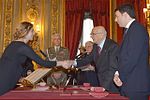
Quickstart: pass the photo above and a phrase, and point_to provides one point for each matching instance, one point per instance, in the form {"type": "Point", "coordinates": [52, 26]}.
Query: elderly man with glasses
{"type": "Point", "coordinates": [104, 55]}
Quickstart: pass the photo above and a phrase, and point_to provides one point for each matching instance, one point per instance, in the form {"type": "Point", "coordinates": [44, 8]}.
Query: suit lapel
{"type": "Point", "coordinates": [103, 51]}
{"type": "Point", "coordinates": [126, 35]}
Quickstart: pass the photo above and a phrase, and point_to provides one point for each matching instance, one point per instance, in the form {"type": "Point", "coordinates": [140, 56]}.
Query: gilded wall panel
{"type": "Point", "coordinates": [31, 13]}
{"type": "Point", "coordinates": [62, 20]}
{"type": "Point", "coordinates": [46, 23]}
{"type": "Point", "coordinates": [113, 27]}
{"type": "Point", "coordinates": [46, 15]}
{"type": "Point", "coordinates": [8, 22]}
{"type": "Point", "coordinates": [57, 17]}
{"type": "Point", "coordinates": [1, 26]}
{"type": "Point", "coordinates": [54, 12]}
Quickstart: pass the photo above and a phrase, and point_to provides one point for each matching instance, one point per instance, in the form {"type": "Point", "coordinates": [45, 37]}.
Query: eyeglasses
{"type": "Point", "coordinates": [93, 34]}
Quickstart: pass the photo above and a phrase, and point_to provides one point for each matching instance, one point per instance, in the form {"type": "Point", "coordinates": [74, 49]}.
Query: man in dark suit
{"type": "Point", "coordinates": [104, 55]}
{"type": "Point", "coordinates": [133, 75]}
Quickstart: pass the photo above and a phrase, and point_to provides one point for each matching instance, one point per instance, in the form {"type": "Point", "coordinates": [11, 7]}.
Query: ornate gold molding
{"type": "Point", "coordinates": [49, 14]}
{"type": "Point", "coordinates": [62, 21]}
{"type": "Point", "coordinates": [54, 12]}
{"type": "Point", "coordinates": [113, 29]}
{"type": "Point", "coordinates": [32, 15]}
{"type": "Point", "coordinates": [57, 12]}
{"type": "Point", "coordinates": [32, 10]}
{"type": "Point", "coordinates": [1, 35]}
{"type": "Point", "coordinates": [8, 22]}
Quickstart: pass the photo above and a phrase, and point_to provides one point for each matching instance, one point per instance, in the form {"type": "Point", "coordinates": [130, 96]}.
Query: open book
{"type": "Point", "coordinates": [35, 76]}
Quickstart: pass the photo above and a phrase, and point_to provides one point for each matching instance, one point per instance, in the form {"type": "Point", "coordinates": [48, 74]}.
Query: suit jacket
{"type": "Point", "coordinates": [106, 63]}
{"type": "Point", "coordinates": [133, 59]}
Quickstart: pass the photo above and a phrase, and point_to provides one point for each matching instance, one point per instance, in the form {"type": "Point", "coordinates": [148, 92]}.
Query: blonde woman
{"type": "Point", "coordinates": [16, 54]}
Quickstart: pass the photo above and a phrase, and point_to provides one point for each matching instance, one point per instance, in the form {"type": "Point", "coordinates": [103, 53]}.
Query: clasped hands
{"type": "Point", "coordinates": [65, 64]}
{"type": "Point", "coordinates": [117, 80]}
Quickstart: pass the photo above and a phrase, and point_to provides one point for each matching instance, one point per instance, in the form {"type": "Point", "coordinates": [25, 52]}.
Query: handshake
{"type": "Point", "coordinates": [66, 63]}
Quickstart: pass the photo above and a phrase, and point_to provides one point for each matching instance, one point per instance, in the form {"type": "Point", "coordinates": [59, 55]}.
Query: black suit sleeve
{"type": "Point", "coordinates": [28, 51]}
{"type": "Point", "coordinates": [113, 66]}
{"type": "Point", "coordinates": [85, 60]}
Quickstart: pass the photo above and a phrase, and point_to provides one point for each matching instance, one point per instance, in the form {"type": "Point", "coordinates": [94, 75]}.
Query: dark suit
{"type": "Point", "coordinates": [133, 60]}
{"type": "Point", "coordinates": [106, 63]}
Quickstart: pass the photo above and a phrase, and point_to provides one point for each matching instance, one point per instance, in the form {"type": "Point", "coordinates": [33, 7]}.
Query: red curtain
{"type": "Point", "coordinates": [74, 20]}
{"type": "Point", "coordinates": [100, 13]}
{"type": "Point", "coordinates": [138, 5]}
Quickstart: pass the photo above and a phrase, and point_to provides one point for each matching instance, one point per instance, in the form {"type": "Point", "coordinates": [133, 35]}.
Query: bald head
{"type": "Point", "coordinates": [99, 30]}
{"type": "Point", "coordinates": [98, 34]}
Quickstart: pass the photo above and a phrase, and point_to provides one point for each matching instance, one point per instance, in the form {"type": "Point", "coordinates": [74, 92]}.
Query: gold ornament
{"type": "Point", "coordinates": [32, 14]}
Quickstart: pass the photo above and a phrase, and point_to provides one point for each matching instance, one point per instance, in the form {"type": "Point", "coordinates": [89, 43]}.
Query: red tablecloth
{"type": "Point", "coordinates": [57, 95]}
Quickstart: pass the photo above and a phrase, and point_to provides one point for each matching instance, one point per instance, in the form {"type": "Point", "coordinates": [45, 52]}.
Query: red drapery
{"type": "Point", "coordinates": [138, 5]}
{"type": "Point", "coordinates": [100, 13]}
{"type": "Point", "coordinates": [74, 20]}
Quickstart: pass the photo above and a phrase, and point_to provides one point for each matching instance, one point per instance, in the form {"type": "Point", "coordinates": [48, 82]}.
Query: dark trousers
{"type": "Point", "coordinates": [87, 77]}
{"type": "Point", "coordinates": [136, 95]}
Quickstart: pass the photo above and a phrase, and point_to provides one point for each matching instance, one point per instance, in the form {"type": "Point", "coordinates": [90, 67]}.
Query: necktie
{"type": "Point", "coordinates": [98, 49]}
{"type": "Point", "coordinates": [125, 31]}
{"type": "Point", "coordinates": [57, 49]}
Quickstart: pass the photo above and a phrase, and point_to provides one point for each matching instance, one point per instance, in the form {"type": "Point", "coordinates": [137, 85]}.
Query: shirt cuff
{"type": "Point", "coordinates": [75, 63]}
{"type": "Point", "coordinates": [117, 73]}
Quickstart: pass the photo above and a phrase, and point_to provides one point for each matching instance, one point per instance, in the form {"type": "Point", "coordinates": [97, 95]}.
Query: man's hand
{"type": "Point", "coordinates": [117, 80]}
{"type": "Point", "coordinates": [91, 67]}
{"type": "Point", "coordinates": [66, 64]}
